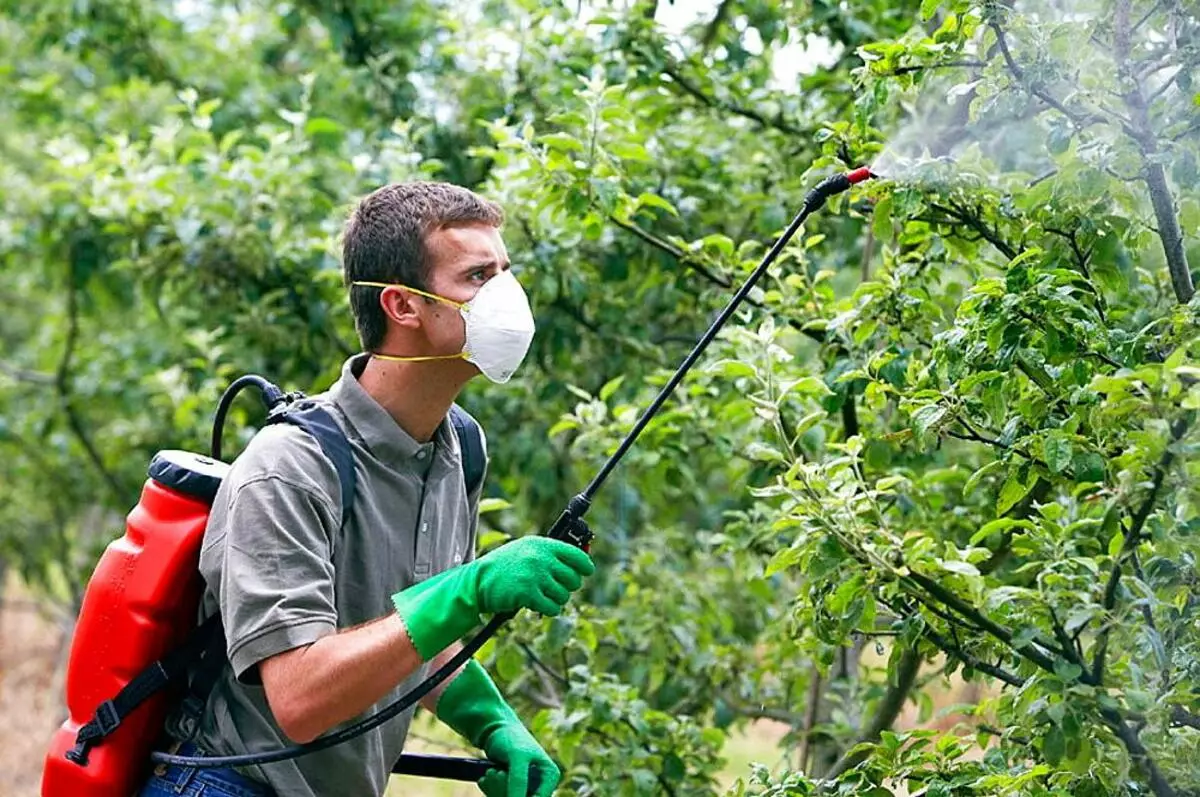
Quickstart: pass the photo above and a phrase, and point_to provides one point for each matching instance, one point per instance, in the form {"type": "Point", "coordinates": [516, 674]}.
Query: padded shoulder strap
{"type": "Point", "coordinates": [314, 419]}
{"type": "Point", "coordinates": [470, 440]}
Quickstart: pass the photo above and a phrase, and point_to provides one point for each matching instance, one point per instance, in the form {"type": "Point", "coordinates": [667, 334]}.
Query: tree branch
{"type": "Point", "coordinates": [1082, 259]}
{"type": "Point", "coordinates": [716, 279]}
{"type": "Point", "coordinates": [25, 375]}
{"type": "Point", "coordinates": [976, 223]}
{"type": "Point", "coordinates": [904, 70]}
{"type": "Point", "coordinates": [721, 105]}
{"type": "Point", "coordinates": [964, 609]}
{"type": "Point", "coordinates": [1080, 121]}
{"type": "Point", "coordinates": [714, 26]}
{"type": "Point", "coordinates": [62, 384]}
{"type": "Point", "coordinates": [1132, 539]}
{"type": "Point", "coordinates": [675, 252]}
{"type": "Point", "coordinates": [885, 715]}
{"type": "Point", "coordinates": [1169, 232]}
{"type": "Point", "coordinates": [1139, 754]}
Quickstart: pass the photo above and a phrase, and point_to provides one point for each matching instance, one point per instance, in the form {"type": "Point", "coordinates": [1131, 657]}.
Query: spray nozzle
{"type": "Point", "coordinates": [860, 174]}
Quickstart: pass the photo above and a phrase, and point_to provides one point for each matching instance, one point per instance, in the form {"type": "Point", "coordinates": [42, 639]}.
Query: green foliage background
{"type": "Point", "coordinates": [953, 435]}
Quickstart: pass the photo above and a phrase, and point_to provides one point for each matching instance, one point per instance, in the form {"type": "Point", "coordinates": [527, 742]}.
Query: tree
{"type": "Point", "coordinates": [951, 437]}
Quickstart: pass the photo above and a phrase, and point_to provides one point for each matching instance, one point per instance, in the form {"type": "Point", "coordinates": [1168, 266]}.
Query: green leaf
{"type": "Point", "coordinates": [927, 417]}
{"type": "Point", "coordinates": [564, 425]}
{"type": "Point", "coordinates": [629, 151]}
{"type": "Point", "coordinates": [510, 663]}
{"type": "Point", "coordinates": [1054, 745]}
{"type": "Point", "coordinates": [610, 387]}
{"type": "Point", "coordinates": [1069, 671]}
{"type": "Point", "coordinates": [1058, 452]}
{"type": "Point", "coordinates": [673, 767]}
{"type": "Point", "coordinates": [563, 142]}
{"type": "Point", "coordinates": [997, 526]}
{"type": "Point", "coordinates": [761, 452]}
{"type": "Point", "coordinates": [722, 243]}
{"type": "Point", "coordinates": [648, 200]}
{"type": "Point", "coordinates": [928, 8]}
{"type": "Point", "coordinates": [807, 386]}
{"type": "Point", "coordinates": [732, 369]}
{"type": "Point", "coordinates": [1013, 491]}
{"type": "Point", "coordinates": [962, 568]}
{"type": "Point", "coordinates": [782, 560]}
{"type": "Point", "coordinates": [1088, 467]}
{"type": "Point", "coordinates": [322, 126]}
{"type": "Point", "coordinates": [493, 505]}
{"type": "Point", "coordinates": [978, 476]}
{"type": "Point", "coordinates": [579, 392]}
{"type": "Point", "coordinates": [881, 219]}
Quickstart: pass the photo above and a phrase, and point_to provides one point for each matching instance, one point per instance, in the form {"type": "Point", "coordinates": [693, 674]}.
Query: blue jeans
{"type": "Point", "coordinates": [170, 780]}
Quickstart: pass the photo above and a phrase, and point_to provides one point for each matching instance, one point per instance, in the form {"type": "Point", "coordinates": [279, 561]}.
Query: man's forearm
{"type": "Point", "coordinates": [338, 677]}
{"type": "Point", "coordinates": [429, 702]}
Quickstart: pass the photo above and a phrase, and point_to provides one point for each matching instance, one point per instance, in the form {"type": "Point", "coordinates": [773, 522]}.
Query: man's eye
{"type": "Point", "coordinates": [479, 274]}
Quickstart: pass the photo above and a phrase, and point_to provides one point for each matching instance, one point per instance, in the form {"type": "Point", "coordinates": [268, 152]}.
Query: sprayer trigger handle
{"type": "Point", "coordinates": [571, 529]}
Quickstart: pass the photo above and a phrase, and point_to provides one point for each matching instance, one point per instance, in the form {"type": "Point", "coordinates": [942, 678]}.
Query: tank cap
{"type": "Point", "coordinates": [191, 474]}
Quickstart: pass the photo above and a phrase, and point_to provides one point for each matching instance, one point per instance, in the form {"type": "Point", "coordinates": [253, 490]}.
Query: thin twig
{"type": "Point", "coordinates": [62, 383]}
{"type": "Point", "coordinates": [712, 102]}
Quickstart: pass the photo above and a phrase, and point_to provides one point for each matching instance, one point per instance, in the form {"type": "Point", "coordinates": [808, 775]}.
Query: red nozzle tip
{"type": "Point", "coordinates": [859, 174]}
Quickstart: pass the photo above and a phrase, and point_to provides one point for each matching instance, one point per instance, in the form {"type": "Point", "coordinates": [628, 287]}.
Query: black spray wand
{"type": "Point", "coordinates": [567, 528]}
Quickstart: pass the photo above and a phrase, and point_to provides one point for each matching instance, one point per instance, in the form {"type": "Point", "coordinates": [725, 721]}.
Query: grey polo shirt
{"type": "Point", "coordinates": [283, 572]}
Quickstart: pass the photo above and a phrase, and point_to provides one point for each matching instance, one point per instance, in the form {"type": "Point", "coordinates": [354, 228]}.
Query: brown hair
{"type": "Point", "coordinates": [384, 241]}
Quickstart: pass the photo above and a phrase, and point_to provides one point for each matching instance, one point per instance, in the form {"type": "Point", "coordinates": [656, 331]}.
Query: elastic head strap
{"type": "Point", "coordinates": [418, 291]}
{"type": "Point", "coordinates": [462, 355]}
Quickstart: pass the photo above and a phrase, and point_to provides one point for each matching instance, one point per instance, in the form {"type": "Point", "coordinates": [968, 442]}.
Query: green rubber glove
{"type": "Point", "coordinates": [530, 573]}
{"type": "Point", "coordinates": [474, 708]}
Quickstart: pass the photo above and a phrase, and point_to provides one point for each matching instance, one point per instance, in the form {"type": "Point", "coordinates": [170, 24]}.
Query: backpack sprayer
{"type": "Point", "coordinates": [569, 527]}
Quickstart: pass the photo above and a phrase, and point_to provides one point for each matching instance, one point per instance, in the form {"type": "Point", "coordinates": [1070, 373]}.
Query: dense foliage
{"type": "Point", "coordinates": [953, 436]}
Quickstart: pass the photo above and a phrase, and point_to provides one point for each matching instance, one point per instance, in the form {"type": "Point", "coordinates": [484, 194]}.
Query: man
{"type": "Point", "coordinates": [326, 621]}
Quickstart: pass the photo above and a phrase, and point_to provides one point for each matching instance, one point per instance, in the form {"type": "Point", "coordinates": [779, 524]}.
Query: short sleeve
{"type": "Point", "coordinates": [271, 569]}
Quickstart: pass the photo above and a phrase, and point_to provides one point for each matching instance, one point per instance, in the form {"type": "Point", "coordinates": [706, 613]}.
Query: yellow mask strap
{"type": "Point", "coordinates": [434, 296]}
{"type": "Point", "coordinates": [460, 356]}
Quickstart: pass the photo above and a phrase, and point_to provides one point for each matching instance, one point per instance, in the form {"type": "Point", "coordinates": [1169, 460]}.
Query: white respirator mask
{"type": "Point", "coordinates": [499, 326]}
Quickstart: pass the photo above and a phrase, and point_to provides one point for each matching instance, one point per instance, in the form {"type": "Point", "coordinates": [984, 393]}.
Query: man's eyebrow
{"type": "Point", "coordinates": [485, 262]}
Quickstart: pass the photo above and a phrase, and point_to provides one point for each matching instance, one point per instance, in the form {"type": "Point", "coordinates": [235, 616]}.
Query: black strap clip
{"type": "Point", "coordinates": [104, 721]}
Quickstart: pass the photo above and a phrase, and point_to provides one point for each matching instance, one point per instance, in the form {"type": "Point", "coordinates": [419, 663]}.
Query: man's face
{"type": "Point", "coordinates": [461, 260]}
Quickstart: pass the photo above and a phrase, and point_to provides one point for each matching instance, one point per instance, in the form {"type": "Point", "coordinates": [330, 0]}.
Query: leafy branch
{"type": "Point", "coordinates": [690, 88]}
{"type": "Point", "coordinates": [687, 260]}
{"type": "Point", "coordinates": [886, 713]}
{"type": "Point", "coordinates": [1129, 545]}
{"type": "Point", "coordinates": [62, 385]}
{"type": "Point", "coordinates": [1155, 175]}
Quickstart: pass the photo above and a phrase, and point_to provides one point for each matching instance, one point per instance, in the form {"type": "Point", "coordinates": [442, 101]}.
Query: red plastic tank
{"type": "Point", "coordinates": [140, 602]}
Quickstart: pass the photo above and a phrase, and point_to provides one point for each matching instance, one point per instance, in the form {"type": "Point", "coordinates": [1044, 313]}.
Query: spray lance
{"type": "Point", "coordinates": [569, 527]}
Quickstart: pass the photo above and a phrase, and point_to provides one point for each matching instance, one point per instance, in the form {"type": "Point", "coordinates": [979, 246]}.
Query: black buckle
{"type": "Point", "coordinates": [107, 719]}
{"type": "Point", "coordinates": [295, 400]}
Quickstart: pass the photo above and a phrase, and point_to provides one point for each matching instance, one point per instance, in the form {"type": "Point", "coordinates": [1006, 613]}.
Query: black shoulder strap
{"type": "Point", "coordinates": [171, 668]}
{"type": "Point", "coordinates": [470, 441]}
{"type": "Point", "coordinates": [316, 420]}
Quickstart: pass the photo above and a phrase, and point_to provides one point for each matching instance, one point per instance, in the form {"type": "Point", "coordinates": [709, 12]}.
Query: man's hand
{"type": "Point", "coordinates": [531, 573]}
{"type": "Point", "coordinates": [474, 707]}
{"type": "Point", "coordinates": [514, 748]}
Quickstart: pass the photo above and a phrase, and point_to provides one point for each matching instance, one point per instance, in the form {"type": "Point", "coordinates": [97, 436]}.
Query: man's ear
{"type": "Point", "coordinates": [400, 306]}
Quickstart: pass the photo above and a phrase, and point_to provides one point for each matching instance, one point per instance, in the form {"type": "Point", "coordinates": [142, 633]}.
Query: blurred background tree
{"type": "Point", "coordinates": [951, 440]}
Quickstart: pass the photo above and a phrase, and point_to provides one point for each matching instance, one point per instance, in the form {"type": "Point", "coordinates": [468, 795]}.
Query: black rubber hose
{"type": "Point", "coordinates": [271, 395]}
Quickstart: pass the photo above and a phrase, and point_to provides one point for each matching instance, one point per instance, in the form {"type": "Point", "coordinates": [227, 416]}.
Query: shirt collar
{"type": "Point", "coordinates": [385, 438]}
